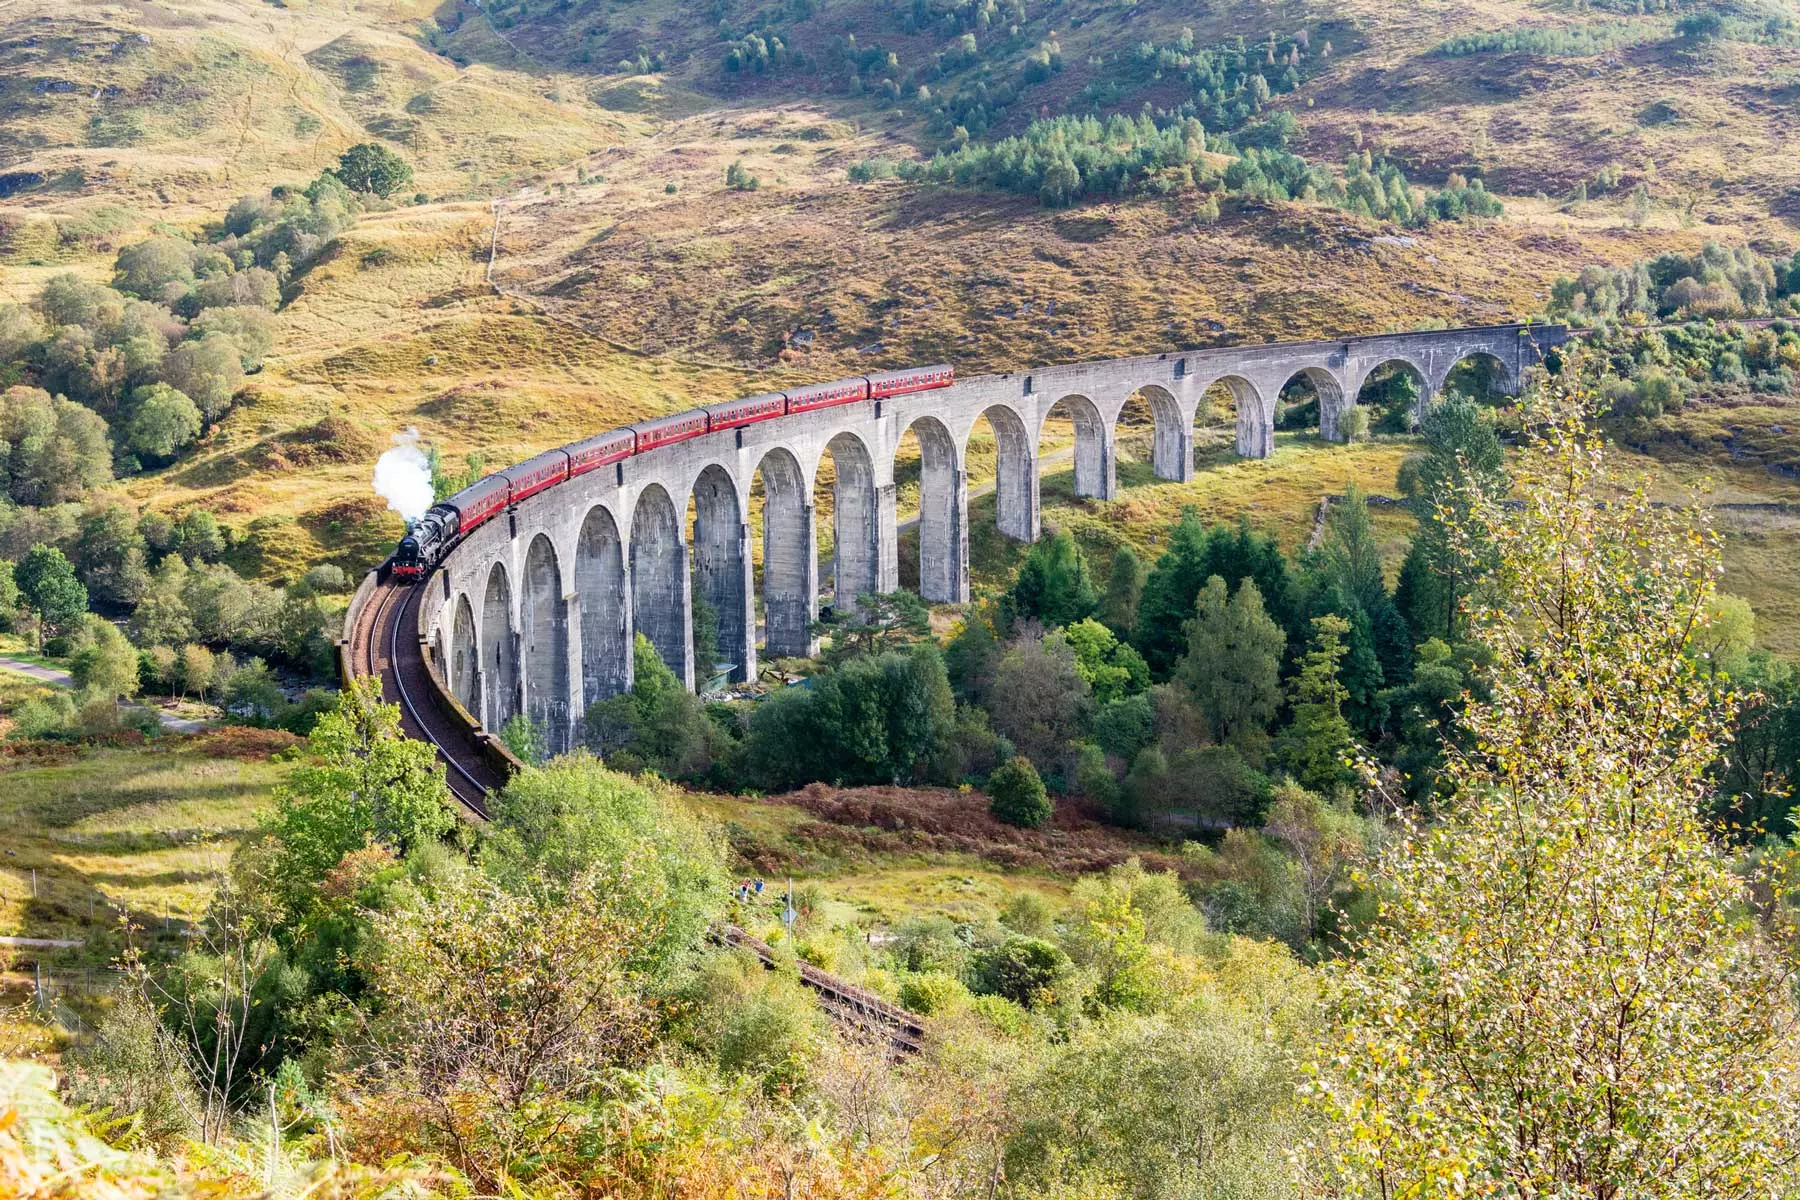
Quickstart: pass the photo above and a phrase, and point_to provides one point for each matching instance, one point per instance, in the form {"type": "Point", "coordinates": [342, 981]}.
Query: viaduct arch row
{"type": "Point", "coordinates": [536, 611]}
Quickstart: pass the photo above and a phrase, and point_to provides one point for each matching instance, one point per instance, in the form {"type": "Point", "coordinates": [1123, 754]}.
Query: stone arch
{"type": "Point", "coordinates": [500, 652]}
{"type": "Point", "coordinates": [605, 608]}
{"type": "Point", "coordinates": [659, 581]}
{"type": "Point", "coordinates": [943, 525]}
{"type": "Point", "coordinates": [544, 631]}
{"type": "Point", "coordinates": [1480, 373]}
{"type": "Point", "coordinates": [1330, 394]}
{"type": "Point", "coordinates": [722, 570]}
{"type": "Point", "coordinates": [464, 666]}
{"type": "Point", "coordinates": [855, 520]}
{"type": "Point", "coordinates": [1255, 416]}
{"type": "Point", "coordinates": [1093, 445]}
{"type": "Point", "coordinates": [1367, 388]}
{"type": "Point", "coordinates": [1015, 473]}
{"type": "Point", "coordinates": [790, 569]}
{"type": "Point", "coordinates": [1171, 455]}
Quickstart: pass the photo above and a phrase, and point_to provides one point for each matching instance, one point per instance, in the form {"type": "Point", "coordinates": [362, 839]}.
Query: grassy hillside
{"type": "Point", "coordinates": [627, 279]}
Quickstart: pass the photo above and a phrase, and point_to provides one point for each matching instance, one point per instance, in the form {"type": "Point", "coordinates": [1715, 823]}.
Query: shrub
{"type": "Point", "coordinates": [932, 993]}
{"type": "Point", "coordinates": [1025, 970]}
{"type": "Point", "coordinates": [1016, 795]}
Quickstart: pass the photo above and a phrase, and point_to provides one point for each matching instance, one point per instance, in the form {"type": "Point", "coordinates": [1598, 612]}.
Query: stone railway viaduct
{"type": "Point", "coordinates": [536, 610]}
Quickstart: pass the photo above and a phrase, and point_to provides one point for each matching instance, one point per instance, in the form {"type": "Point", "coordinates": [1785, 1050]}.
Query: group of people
{"type": "Point", "coordinates": [746, 888]}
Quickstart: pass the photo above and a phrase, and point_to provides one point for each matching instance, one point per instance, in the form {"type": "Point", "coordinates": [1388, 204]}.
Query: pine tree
{"type": "Point", "coordinates": [1317, 744]}
{"type": "Point", "coordinates": [1233, 665]}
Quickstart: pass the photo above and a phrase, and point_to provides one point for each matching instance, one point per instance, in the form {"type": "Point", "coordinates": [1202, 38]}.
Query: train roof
{"type": "Point", "coordinates": [734, 406]}
{"type": "Point", "coordinates": [531, 466]}
{"type": "Point", "coordinates": [478, 491]}
{"type": "Point", "coordinates": [655, 423]}
{"type": "Point", "coordinates": [596, 441]}
{"type": "Point", "coordinates": [903, 372]}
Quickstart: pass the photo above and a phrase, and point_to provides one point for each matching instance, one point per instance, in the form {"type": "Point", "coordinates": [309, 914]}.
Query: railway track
{"type": "Point", "coordinates": [382, 641]}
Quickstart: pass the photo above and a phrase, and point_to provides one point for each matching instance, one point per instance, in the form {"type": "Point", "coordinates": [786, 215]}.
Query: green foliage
{"type": "Point", "coordinates": [1053, 585]}
{"type": "Point", "coordinates": [933, 993]}
{"type": "Point", "coordinates": [876, 623]}
{"type": "Point", "coordinates": [361, 780]}
{"type": "Point", "coordinates": [51, 450]}
{"type": "Point", "coordinates": [1195, 554]}
{"type": "Point", "coordinates": [1029, 971]}
{"type": "Point", "coordinates": [1232, 667]}
{"type": "Point", "coordinates": [162, 422]}
{"type": "Point", "coordinates": [1462, 464]}
{"type": "Point", "coordinates": [50, 592]}
{"type": "Point", "coordinates": [106, 668]}
{"type": "Point", "coordinates": [1715, 282]}
{"type": "Point", "coordinates": [526, 738]}
{"type": "Point", "coordinates": [1111, 669]}
{"type": "Point", "coordinates": [658, 725]}
{"type": "Point", "coordinates": [881, 719]}
{"type": "Point", "coordinates": [1573, 41]}
{"type": "Point", "coordinates": [1016, 795]}
{"type": "Point", "coordinates": [551, 823]}
{"type": "Point", "coordinates": [1039, 699]}
{"type": "Point", "coordinates": [1317, 744]}
{"type": "Point", "coordinates": [755, 1024]}
{"type": "Point", "coordinates": [1124, 588]}
{"type": "Point", "coordinates": [371, 167]}
{"type": "Point", "coordinates": [1529, 1066]}
{"type": "Point", "coordinates": [738, 179]}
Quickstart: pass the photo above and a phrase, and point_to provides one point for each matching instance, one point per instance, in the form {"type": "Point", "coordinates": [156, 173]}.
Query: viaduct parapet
{"type": "Point", "coordinates": [535, 611]}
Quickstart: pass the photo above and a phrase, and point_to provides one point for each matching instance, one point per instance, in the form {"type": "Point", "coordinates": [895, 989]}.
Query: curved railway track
{"type": "Point", "coordinates": [382, 641]}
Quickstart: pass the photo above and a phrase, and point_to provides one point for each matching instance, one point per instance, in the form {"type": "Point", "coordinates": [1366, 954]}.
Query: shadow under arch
{"type": "Point", "coordinates": [1328, 397]}
{"type": "Point", "coordinates": [1093, 474]}
{"type": "Point", "coordinates": [463, 669]}
{"type": "Point", "coordinates": [500, 700]}
{"type": "Point", "coordinates": [849, 497]}
{"type": "Point", "coordinates": [788, 564]}
{"type": "Point", "coordinates": [943, 547]}
{"type": "Point", "coordinates": [721, 571]}
{"type": "Point", "coordinates": [659, 580]}
{"type": "Point", "coordinates": [544, 649]}
{"type": "Point", "coordinates": [606, 610]}
{"type": "Point", "coordinates": [1015, 471]}
{"type": "Point", "coordinates": [1396, 391]}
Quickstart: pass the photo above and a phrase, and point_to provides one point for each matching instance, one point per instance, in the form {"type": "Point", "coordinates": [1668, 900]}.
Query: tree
{"type": "Point", "coordinates": [1567, 994]}
{"type": "Point", "coordinates": [1039, 699]}
{"type": "Point", "coordinates": [54, 450]}
{"type": "Point", "coordinates": [1316, 745]}
{"type": "Point", "coordinates": [208, 370]}
{"type": "Point", "coordinates": [1053, 585]}
{"type": "Point", "coordinates": [199, 670]}
{"type": "Point", "coordinates": [50, 590]}
{"type": "Point", "coordinates": [1232, 667]}
{"type": "Point", "coordinates": [738, 179]}
{"type": "Point", "coordinates": [877, 622]}
{"type": "Point", "coordinates": [1111, 669]}
{"type": "Point", "coordinates": [658, 725]}
{"type": "Point", "coordinates": [1124, 585]}
{"type": "Point", "coordinates": [371, 167]}
{"type": "Point", "coordinates": [162, 422]}
{"type": "Point", "coordinates": [1462, 466]}
{"type": "Point", "coordinates": [1323, 839]}
{"type": "Point", "coordinates": [1025, 970]}
{"type": "Point", "coordinates": [162, 617]}
{"type": "Point", "coordinates": [1016, 794]}
{"type": "Point", "coordinates": [552, 823]}
{"type": "Point", "coordinates": [158, 268]}
{"type": "Point", "coordinates": [496, 999]}
{"type": "Point", "coordinates": [9, 597]}
{"type": "Point", "coordinates": [1167, 601]}
{"type": "Point", "coordinates": [362, 780]}
{"type": "Point", "coordinates": [107, 667]}
{"type": "Point", "coordinates": [108, 556]}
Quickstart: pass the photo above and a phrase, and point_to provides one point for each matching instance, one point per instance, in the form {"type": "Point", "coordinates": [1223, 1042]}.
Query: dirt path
{"type": "Point", "coordinates": [62, 679]}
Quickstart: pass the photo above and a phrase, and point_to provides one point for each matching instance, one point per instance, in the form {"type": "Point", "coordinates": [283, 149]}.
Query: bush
{"type": "Point", "coordinates": [370, 167]}
{"type": "Point", "coordinates": [1016, 795]}
{"type": "Point", "coordinates": [932, 993]}
{"type": "Point", "coordinates": [1025, 970]}
{"type": "Point", "coordinates": [1353, 424]}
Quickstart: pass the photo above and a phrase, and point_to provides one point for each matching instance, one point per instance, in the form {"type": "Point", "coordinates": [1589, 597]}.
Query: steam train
{"type": "Point", "coordinates": [432, 535]}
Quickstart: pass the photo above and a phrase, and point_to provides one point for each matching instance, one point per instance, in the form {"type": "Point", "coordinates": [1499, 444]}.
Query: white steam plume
{"type": "Point", "coordinates": [403, 477]}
